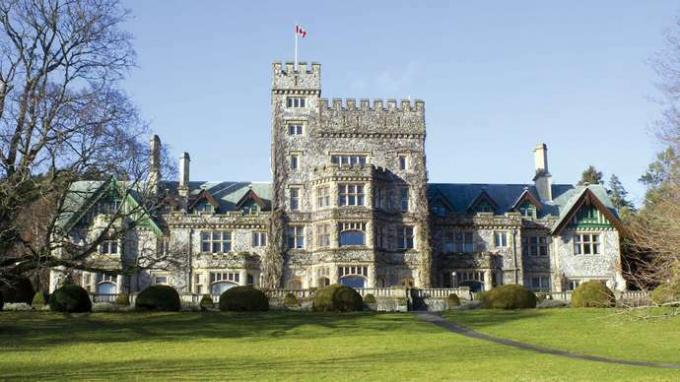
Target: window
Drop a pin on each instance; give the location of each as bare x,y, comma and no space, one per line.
572,284
540,283
500,239
403,162
350,195
527,210
484,206
216,241
323,197
323,235
296,237
294,159
352,233
458,242
295,129
378,197
348,160
403,199
160,280
295,102
259,239
587,244
535,245
106,284
380,236
109,247
294,198
405,237
204,207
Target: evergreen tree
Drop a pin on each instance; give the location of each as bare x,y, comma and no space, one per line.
590,176
619,195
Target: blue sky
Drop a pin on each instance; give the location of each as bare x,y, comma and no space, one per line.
497,77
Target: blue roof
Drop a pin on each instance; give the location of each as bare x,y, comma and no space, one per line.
227,193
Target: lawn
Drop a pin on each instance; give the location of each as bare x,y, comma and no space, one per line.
308,346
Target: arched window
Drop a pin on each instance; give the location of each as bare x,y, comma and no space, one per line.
107,288
353,281
352,238
220,287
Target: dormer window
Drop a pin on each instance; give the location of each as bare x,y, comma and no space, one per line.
527,210
109,247
204,208
295,102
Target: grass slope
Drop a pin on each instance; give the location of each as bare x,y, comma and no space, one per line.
273,346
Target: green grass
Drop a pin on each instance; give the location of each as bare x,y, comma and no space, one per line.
602,332
291,346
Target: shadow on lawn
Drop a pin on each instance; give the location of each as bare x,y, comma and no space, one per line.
492,317
29,330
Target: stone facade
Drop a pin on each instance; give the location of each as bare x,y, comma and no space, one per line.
350,179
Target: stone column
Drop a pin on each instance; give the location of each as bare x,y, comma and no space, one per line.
242,277
119,284
333,274
371,277
488,282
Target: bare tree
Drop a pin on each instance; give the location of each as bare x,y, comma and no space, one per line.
62,119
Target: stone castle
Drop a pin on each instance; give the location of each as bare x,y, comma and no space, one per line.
350,203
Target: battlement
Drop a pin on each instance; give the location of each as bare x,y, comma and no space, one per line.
350,104
285,76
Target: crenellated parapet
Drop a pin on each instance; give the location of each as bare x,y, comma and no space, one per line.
287,79
372,117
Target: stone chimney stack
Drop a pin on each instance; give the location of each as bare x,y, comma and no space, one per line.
155,163
542,179
184,163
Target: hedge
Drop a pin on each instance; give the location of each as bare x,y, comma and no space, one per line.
243,299
161,298
206,302
453,300
666,293
593,294
369,299
509,297
290,300
123,299
38,299
337,298
70,299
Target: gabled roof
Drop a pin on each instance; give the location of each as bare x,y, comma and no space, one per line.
252,195
482,196
227,194
527,197
506,196
204,196
588,196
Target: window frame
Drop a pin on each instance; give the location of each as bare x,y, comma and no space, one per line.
294,198
296,237
351,195
259,239
406,237
593,244
503,235
216,239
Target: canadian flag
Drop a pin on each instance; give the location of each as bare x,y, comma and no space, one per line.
300,31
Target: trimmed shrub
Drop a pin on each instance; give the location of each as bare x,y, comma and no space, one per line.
290,300
593,294
17,307
666,293
161,298
206,302
70,299
18,290
369,299
38,299
243,299
453,300
509,297
123,299
2,302
337,298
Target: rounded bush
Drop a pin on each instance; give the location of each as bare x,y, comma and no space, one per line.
593,294
70,299
123,299
38,299
509,297
290,300
18,290
666,293
161,298
206,302
453,300
337,298
243,299
369,299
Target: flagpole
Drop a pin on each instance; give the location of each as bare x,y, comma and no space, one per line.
296,47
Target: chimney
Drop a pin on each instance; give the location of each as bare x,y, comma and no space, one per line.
184,162
155,163
542,179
